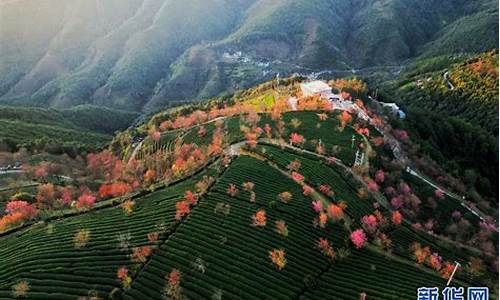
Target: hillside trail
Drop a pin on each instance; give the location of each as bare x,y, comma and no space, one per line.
450,85
400,157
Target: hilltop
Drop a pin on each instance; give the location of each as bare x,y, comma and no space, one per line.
270,193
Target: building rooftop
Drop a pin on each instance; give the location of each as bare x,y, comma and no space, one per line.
316,86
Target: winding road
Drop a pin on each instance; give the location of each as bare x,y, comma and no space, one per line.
450,85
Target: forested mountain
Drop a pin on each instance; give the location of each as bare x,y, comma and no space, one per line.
146,54
451,104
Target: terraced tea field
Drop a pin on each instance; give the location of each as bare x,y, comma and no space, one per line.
225,245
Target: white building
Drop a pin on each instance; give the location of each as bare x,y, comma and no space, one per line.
394,109
318,87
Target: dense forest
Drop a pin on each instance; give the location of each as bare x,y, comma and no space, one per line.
472,96
451,103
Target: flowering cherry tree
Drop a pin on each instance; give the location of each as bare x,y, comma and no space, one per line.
277,257
281,228
326,248
297,139
285,197
396,218
182,208
173,285
86,200
297,177
317,206
358,238
306,190
124,277
334,211
259,218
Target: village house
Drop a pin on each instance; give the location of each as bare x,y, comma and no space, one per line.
320,88
394,108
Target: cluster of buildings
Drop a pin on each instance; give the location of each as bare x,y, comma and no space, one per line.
321,88
337,101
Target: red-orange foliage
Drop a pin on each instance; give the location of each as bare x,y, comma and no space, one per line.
18,211
297,177
149,176
377,141
154,134
323,218
166,125
183,208
191,198
296,139
358,238
103,164
248,186
41,171
344,118
86,200
397,218
335,211
278,258
173,286
320,149
174,277
326,248
420,253
46,193
306,190
446,270
67,195
259,218
364,131
122,273
114,189
141,254
10,220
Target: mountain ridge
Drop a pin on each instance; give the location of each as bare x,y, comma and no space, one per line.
152,52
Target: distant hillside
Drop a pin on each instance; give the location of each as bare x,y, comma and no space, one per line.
454,118
69,130
472,96
143,54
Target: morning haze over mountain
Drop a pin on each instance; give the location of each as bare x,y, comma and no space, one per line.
140,55
249,149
